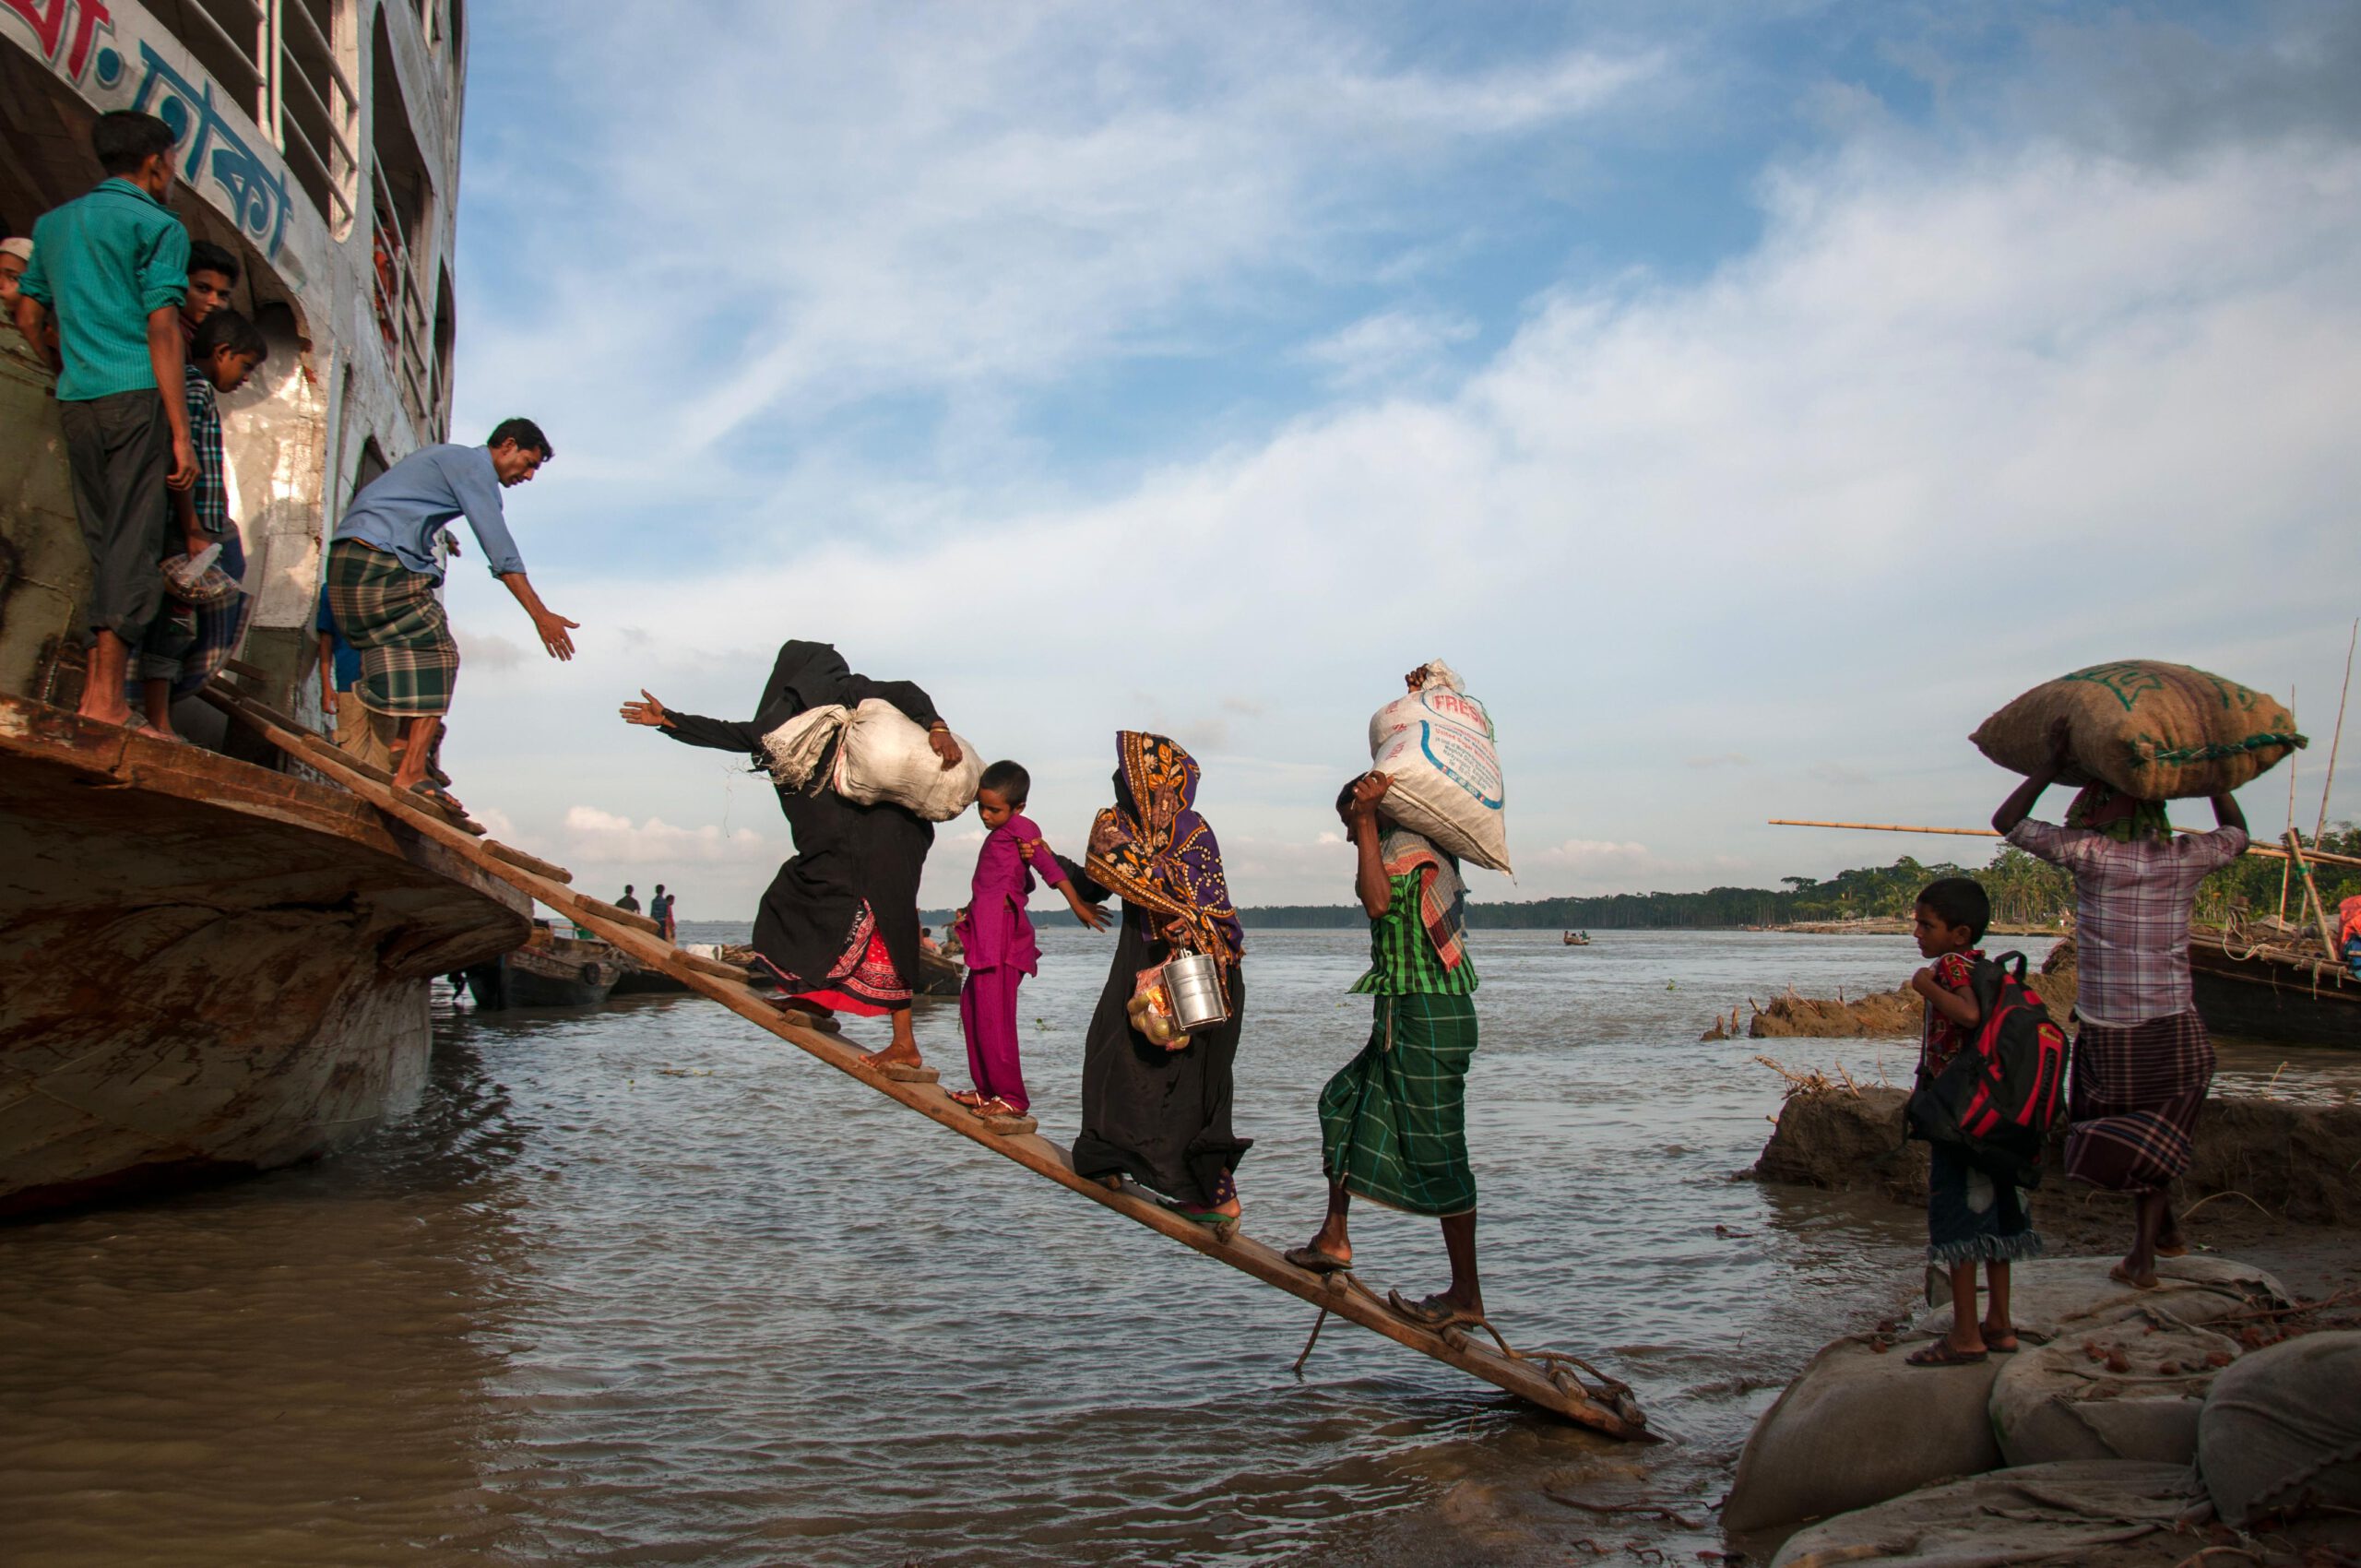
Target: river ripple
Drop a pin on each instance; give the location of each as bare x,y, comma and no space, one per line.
644,1286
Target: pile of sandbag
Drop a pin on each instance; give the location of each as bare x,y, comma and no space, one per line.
1859,1425
1437,745
875,752
2152,730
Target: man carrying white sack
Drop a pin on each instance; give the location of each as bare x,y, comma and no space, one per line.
2142,1061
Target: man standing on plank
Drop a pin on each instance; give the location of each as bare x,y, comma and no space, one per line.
382,576
2142,1060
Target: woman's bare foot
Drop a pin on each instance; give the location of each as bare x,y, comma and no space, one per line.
900,1053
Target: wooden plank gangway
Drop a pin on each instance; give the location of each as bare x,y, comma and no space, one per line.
1550,1379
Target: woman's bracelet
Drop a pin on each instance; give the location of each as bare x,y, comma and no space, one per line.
938,725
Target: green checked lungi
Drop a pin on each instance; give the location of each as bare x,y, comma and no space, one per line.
389,613
1393,1121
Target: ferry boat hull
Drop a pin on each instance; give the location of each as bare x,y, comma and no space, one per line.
206,968
2261,995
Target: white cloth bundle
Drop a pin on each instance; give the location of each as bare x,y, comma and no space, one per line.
885,757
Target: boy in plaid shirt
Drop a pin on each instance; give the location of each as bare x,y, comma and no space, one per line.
191,642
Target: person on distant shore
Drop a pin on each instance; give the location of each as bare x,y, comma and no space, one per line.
1393,1121
1161,1117
629,901
997,943
212,273
2142,1060
839,924
112,266
222,354
1972,1217
383,578
659,910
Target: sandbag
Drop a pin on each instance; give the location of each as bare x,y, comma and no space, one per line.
1437,745
2049,1297
1858,1426
884,756
2154,731
2129,1389
2281,1430
2060,1514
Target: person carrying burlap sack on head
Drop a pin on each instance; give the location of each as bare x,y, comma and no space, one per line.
2142,1061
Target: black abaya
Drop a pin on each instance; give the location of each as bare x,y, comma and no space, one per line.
852,862
1161,1117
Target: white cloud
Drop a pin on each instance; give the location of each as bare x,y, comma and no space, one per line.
1388,347
606,839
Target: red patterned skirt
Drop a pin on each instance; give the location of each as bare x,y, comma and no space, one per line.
863,981
2134,1097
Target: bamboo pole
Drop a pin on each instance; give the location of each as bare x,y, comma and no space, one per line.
2265,851
2338,738
2312,892
1538,1377
2286,868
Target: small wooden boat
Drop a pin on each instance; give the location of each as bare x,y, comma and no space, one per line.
550,970
1573,939
2263,985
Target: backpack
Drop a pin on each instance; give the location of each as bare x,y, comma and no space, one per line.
1997,1099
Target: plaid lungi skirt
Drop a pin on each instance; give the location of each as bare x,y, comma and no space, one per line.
1393,1121
2134,1097
409,660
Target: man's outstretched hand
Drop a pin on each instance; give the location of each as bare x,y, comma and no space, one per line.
554,628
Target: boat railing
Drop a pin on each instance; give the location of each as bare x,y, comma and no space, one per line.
262,60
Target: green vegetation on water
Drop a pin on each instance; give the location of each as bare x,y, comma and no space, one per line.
2024,892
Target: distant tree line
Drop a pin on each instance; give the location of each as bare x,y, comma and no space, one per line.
2025,891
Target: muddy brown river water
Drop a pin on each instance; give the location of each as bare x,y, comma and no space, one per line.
644,1286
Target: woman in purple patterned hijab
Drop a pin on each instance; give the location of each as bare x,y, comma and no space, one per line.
1159,1116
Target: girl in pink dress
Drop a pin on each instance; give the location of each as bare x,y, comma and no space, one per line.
996,940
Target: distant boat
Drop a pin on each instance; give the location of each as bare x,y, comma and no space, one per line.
2265,987
1577,939
550,970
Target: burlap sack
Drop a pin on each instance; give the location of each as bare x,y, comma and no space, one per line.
2281,1430
2155,732
1858,1426
883,755
2130,1389
2061,1513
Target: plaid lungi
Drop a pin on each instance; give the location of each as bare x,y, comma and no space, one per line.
409,660
1393,1121
2134,1097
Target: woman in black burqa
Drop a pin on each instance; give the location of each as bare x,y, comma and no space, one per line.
839,923
1161,1117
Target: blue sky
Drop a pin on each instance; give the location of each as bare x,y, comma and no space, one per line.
1747,399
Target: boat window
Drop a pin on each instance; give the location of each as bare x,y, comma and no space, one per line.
402,248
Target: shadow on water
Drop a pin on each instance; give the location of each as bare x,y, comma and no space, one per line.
643,1285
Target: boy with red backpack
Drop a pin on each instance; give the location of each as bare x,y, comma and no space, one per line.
1976,1210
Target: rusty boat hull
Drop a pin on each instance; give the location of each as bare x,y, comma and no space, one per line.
207,966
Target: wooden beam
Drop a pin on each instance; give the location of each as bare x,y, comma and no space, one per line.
1541,1378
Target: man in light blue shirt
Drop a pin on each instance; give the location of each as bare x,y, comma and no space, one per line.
382,574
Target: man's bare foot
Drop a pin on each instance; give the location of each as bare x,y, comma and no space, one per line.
1316,1258
121,713
1999,1338
2124,1273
